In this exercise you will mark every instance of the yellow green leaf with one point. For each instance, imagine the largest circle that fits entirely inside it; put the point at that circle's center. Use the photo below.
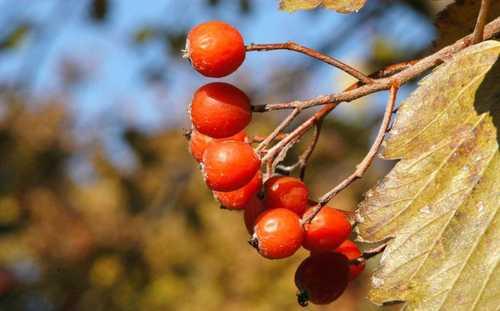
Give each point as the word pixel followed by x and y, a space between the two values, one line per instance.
pixel 439 204
pixel 341 6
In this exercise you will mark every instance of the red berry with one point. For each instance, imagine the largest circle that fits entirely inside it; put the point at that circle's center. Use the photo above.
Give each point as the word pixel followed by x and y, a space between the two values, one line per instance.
pixel 229 165
pixel 322 278
pixel 220 110
pixel 278 233
pixel 252 210
pixel 351 251
pixel 237 199
pixel 215 49
pixel 327 230
pixel 286 192
pixel 199 142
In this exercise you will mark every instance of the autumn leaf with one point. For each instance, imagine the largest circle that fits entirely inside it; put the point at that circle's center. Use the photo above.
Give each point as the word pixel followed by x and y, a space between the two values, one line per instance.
pixel 458 20
pixel 439 204
pixel 341 6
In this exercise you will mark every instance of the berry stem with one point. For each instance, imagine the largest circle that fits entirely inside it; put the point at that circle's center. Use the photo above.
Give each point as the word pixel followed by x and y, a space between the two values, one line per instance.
pixel 482 17
pixel 363 166
pixel 277 130
pixel 292 46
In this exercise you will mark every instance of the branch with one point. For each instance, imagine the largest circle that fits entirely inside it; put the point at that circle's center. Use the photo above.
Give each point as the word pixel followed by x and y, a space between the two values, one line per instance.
pixel 400 78
pixel 306 154
pixel 292 46
pixel 319 115
pixel 277 130
pixel 482 17
pixel 365 163
pixel 304 158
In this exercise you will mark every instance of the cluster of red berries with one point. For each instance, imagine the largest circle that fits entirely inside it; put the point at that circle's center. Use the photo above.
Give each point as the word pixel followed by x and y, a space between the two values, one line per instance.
pixel 274 210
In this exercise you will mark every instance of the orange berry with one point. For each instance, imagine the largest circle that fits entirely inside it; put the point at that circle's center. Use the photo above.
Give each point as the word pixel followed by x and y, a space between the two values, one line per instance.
pixel 215 49
pixel 322 278
pixel 286 192
pixel 327 230
pixel 229 165
pixel 199 142
pixel 349 249
pixel 278 233
pixel 220 110
pixel 237 199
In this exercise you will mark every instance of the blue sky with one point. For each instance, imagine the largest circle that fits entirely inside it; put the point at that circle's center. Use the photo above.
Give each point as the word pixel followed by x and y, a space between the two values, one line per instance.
pixel 115 93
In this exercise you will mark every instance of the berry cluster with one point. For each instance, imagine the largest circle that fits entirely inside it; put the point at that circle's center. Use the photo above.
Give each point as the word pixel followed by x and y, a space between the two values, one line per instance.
pixel 276 210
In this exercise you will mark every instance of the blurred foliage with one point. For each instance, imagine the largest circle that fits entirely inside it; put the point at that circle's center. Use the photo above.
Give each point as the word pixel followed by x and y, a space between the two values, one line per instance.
pixel 99 10
pixel 150 238
pixel 13 38
pixel 458 19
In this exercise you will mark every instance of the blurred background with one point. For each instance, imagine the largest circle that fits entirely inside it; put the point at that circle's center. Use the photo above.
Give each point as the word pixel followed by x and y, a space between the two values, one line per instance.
pixel 101 205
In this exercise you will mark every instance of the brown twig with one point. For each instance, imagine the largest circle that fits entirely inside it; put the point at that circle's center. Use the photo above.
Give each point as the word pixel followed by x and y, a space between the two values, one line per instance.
pixel 401 77
pixel 260 138
pixel 365 163
pixel 277 130
pixel 292 46
pixel 482 17
pixel 304 157
pixel 306 154
pixel 369 254
pixel 319 115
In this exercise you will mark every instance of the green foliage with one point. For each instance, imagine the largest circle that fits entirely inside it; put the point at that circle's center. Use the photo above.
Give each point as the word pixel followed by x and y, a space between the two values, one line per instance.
pixel 341 6
pixel 440 202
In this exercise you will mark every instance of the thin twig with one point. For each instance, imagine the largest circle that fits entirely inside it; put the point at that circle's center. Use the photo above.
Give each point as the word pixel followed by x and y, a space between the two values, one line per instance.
pixel 298 132
pixel 365 163
pixel 369 254
pixel 292 46
pixel 401 78
pixel 482 17
pixel 304 158
pixel 260 138
pixel 277 130
pixel 319 115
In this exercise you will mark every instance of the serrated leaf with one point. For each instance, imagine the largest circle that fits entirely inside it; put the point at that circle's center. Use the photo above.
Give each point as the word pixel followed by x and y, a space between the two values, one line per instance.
pixel 458 20
pixel 341 6
pixel 440 202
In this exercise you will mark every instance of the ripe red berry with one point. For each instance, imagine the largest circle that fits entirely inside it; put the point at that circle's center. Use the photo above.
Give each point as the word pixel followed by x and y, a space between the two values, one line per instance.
pixel 349 249
pixel 252 210
pixel 286 192
pixel 220 110
pixel 215 49
pixel 229 165
pixel 327 230
pixel 278 233
pixel 237 199
pixel 321 278
pixel 199 142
